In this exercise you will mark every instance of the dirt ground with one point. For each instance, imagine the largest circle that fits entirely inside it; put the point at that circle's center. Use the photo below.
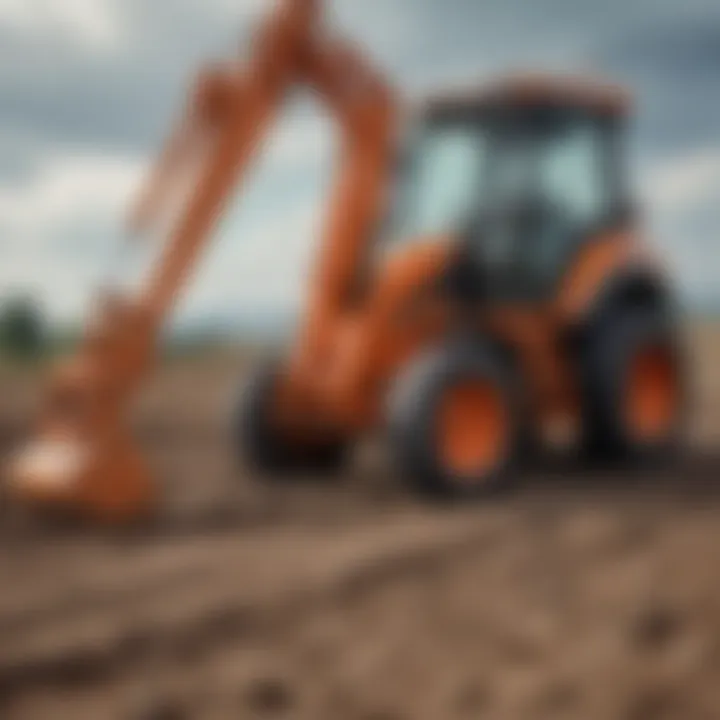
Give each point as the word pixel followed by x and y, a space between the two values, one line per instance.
pixel 584 595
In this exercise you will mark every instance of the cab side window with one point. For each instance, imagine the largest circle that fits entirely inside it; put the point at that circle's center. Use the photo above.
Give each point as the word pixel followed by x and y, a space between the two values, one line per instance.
pixel 572 174
pixel 573 182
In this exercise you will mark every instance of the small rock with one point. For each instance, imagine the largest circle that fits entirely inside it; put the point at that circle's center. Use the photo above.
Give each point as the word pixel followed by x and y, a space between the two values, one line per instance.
pixel 559 696
pixel 657 703
pixel 471 699
pixel 655 628
pixel 269 696
pixel 381 715
pixel 159 708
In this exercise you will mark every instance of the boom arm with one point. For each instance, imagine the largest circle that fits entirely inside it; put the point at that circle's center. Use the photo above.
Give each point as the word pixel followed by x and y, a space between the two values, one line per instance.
pixel 228 116
pixel 235 110
pixel 98 467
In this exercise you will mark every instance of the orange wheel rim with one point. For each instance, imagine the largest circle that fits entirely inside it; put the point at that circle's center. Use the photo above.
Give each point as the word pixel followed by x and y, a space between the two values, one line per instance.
pixel 473 428
pixel 652 393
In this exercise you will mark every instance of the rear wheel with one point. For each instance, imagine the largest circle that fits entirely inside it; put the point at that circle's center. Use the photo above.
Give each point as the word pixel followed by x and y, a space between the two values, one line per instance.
pixel 262 445
pixel 634 389
pixel 454 422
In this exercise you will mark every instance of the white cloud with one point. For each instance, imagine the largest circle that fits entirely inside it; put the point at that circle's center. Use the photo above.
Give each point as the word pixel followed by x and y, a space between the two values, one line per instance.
pixel 682 183
pixel 17 15
pixel 238 8
pixel 68 189
pixel 58 228
pixel 299 139
pixel 61 285
pixel 683 217
pixel 61 228
pixel 265 269
pixel 93 22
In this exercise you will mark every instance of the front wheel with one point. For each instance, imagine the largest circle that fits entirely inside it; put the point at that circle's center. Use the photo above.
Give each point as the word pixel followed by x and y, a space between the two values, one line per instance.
pixel 454 422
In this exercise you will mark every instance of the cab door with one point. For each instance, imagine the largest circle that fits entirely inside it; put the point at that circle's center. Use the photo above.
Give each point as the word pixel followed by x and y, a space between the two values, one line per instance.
pixel 553 185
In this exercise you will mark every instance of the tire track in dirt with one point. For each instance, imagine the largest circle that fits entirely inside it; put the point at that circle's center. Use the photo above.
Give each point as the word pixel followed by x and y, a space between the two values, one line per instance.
pixel 128 600
pixel 527 560
pixel 72 643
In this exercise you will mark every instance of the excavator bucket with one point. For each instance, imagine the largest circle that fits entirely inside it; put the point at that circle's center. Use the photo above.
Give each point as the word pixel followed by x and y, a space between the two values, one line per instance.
pixel 83 460
pixel 104 481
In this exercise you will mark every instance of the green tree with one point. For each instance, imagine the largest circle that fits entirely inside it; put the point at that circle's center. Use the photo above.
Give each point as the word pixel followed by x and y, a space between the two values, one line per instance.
pixel 21 328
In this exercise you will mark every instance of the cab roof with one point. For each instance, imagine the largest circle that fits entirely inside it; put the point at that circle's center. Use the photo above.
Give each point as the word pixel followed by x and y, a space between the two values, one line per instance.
pixel 534 90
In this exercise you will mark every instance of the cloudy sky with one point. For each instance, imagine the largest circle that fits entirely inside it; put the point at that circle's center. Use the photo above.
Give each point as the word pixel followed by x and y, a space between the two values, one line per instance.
pixel 89 87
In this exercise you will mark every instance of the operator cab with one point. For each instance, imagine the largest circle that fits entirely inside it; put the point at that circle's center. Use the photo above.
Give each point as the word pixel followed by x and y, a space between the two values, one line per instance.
pixel 522 173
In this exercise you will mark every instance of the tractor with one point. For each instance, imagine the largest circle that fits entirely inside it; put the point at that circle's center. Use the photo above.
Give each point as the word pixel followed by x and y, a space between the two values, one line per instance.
pixel 508 301
pixel 482 286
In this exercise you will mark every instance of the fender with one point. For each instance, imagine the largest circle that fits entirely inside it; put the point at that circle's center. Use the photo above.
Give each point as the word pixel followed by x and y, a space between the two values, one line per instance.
pixel 636 286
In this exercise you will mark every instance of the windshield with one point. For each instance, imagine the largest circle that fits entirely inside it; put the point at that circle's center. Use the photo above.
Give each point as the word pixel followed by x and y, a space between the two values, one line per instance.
pixel 439 179
pixel 458 170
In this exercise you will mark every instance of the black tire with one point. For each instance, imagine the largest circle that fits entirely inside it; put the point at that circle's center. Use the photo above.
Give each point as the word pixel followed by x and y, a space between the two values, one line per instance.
pixel 263 449
pixel 412 415
pixel 605 367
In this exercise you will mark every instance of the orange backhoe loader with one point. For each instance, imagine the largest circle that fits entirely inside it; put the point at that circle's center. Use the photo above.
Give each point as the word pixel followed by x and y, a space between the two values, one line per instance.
pixel 481 283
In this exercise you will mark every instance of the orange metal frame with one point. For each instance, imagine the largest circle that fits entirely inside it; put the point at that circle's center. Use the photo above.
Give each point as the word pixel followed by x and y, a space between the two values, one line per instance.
pixel 345 355
pixel 229 113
